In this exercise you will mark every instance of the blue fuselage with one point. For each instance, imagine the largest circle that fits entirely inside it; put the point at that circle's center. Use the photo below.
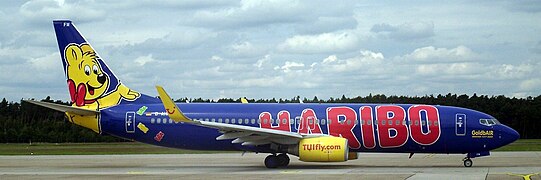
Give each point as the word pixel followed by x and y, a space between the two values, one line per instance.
pixel 368 127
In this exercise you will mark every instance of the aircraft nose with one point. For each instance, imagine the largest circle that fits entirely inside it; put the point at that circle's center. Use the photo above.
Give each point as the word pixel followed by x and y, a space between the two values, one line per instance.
pixel 510 135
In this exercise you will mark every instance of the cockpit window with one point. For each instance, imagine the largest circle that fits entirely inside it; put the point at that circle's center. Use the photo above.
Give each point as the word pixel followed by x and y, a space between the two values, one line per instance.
pixel 488 122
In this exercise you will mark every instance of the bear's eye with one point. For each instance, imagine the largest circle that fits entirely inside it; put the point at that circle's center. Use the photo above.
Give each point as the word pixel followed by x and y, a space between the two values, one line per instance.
pixel 95 69
pixel 87 70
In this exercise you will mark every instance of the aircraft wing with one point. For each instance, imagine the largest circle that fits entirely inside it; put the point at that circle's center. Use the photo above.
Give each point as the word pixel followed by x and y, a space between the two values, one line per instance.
pixel 252 135
pixel 240 134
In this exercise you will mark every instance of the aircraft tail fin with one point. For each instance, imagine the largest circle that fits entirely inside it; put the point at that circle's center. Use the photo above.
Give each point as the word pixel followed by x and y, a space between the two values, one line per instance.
pixel 91 84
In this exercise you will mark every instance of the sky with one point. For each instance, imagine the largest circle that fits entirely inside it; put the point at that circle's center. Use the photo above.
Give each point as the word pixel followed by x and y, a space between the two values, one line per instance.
pixel 281 49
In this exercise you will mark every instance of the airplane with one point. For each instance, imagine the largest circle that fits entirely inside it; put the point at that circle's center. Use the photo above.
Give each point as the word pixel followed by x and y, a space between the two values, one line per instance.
pixel 311 131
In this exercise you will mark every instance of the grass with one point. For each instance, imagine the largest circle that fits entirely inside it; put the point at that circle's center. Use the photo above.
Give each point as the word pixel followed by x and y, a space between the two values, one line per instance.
pixel 140 148
pixel 91 149
pixel 522 145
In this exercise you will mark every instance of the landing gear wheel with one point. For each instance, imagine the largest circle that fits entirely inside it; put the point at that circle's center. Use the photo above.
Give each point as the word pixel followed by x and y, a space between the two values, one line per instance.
pixel 468 162
pixel 284 159
pixel 272 161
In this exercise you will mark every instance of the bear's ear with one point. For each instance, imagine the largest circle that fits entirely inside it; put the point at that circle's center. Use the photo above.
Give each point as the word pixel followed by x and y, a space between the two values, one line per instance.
pixel 87 49
pixel 73 53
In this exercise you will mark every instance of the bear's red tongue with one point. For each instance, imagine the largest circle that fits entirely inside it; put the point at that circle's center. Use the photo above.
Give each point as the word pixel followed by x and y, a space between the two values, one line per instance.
pixel 91 91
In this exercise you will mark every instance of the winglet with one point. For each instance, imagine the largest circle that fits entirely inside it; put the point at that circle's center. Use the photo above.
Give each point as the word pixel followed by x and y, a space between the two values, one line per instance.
pixel 244 100
pixel 172 110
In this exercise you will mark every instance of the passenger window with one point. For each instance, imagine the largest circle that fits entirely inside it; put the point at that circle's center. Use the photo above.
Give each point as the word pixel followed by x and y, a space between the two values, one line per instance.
pixel 369 122
pixel 159 121
pixel 253 121
pixel 323 122
pixel 240 121
pixel 416 123
pixel 423 123
pixel 258 121
pixel 284 121
pixel 310 121
pixel 170 121
pixel 152 120
pixel 348 122
pixel 220 120
pixel 213 120
pixel 233 121
pixel 227 121
pixel 329 122
pixel 382 122
pixel 246 121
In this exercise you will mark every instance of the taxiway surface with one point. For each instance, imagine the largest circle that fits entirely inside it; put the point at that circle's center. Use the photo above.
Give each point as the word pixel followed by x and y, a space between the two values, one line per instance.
pixel 500 165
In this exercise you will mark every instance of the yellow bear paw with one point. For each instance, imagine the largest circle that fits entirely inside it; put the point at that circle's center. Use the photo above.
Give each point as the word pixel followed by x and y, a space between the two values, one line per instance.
pixel 131 95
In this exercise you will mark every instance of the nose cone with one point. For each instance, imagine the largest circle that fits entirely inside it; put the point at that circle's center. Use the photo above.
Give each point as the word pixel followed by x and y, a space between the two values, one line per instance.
pixel 509 135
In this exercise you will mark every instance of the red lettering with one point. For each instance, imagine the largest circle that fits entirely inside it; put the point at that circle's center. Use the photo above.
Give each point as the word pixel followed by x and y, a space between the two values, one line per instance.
pixel 265 120
pixel 390 118
pixel 308 123
pixel 367 130
pixel 345 128
pixel 431 122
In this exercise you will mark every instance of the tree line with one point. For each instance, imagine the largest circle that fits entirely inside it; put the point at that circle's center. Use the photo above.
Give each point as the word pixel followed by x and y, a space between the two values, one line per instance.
pixel 22 122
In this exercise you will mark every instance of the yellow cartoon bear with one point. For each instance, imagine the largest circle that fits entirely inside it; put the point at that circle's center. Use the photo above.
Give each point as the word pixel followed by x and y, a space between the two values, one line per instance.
pixel 88 83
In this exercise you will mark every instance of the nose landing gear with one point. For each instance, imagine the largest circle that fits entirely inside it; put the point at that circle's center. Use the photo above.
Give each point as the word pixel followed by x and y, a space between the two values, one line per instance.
pixel 467 162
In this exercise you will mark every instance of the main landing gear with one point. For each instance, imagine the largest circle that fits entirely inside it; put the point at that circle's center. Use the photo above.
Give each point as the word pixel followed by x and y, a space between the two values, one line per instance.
pixel 467 162
pixel 274 161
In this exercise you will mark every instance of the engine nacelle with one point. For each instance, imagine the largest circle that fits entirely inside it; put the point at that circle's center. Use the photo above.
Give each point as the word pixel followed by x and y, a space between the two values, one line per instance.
pixel 323 149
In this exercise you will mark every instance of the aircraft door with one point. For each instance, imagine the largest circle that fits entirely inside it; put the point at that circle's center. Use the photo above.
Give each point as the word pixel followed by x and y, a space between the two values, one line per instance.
pixel 297 124
pixel 130 122
pixel 460 124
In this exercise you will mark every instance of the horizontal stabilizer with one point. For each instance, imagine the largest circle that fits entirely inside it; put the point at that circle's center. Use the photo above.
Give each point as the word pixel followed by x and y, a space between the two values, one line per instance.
pixel 64 108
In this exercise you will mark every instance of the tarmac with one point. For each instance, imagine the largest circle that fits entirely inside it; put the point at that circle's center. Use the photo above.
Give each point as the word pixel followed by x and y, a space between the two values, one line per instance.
pixel 500 165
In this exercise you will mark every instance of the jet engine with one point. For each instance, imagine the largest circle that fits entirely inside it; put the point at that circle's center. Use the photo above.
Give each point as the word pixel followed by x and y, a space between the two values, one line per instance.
pixel 321 149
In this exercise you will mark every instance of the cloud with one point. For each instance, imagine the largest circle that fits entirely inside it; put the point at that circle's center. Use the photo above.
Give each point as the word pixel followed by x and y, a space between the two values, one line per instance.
pixel 528 6
pixel 289 66
pixel 431 54
pixel 216 58
pixel 531 84
pixel 406 31
pixel 323 48
pixel 367 61
pixel 449 69
pixel 250 13
pixel 142 60
pixel 263 61
pixel 245 50
pixel 321 43
pixel 37 10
